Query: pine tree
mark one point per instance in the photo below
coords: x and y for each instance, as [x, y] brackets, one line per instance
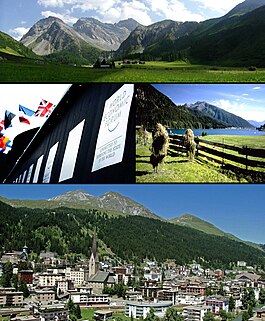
[232, 304]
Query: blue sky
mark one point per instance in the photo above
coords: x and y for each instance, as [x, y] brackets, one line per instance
[244, 100]
[237, 209]
[17, 16]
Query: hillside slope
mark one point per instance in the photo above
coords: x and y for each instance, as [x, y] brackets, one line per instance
[67, 230]
[10, 46]
[113, 203]
[154, 107]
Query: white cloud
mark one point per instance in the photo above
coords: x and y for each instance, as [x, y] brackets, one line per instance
[51, 3]
[245, 95]
[65, 16]
[243, 110]
[256, 88]
[221, 7]
[173, 9]
[134, 9]
[97, 5]
[19, 32]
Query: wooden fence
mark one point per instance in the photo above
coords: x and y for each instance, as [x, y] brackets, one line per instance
[222, 153]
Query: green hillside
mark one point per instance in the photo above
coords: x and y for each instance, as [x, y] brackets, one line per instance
[37, 204]
[195, 222]
[153, 107]
[236, 40]
[10, 46]
[66, 230]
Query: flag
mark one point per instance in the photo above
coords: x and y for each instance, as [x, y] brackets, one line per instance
[8, 119]
[45, 109]
[5, 143]
[1, 125]
[24, 114]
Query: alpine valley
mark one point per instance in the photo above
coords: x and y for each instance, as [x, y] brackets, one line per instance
[235, 39]
[65, 223]
[153, 106]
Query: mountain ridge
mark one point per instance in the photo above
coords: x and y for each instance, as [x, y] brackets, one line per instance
[64, 231]
[122, 206]
[220, 114]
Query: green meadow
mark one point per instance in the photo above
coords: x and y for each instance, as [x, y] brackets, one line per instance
[177, 168]
[172, 72]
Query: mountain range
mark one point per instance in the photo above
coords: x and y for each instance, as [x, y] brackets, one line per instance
[116, 205]
[51, 35]
[235, 39]
[153, 107]
[65, 223]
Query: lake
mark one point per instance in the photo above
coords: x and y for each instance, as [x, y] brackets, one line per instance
[239, 132]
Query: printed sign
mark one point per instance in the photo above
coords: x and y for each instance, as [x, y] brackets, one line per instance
[49, 164]
[113, 127]
[71, 151]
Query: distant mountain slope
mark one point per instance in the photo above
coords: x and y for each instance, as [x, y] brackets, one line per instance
[219, 114]
[245, 7]
[65, 230]
[256, 123]
[153, 107]
[8, 45]
[105, 36]
[236, 39]
[147, 38]
[196, 223]
[51, 36]
[114, 203]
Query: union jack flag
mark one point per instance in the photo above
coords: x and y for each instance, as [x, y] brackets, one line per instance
[45, 109]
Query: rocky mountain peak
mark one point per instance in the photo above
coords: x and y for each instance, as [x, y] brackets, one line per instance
[78, 195]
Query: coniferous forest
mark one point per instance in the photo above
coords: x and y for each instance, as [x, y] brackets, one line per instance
[65, 230]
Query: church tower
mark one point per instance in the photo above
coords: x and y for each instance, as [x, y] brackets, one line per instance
[94, 261]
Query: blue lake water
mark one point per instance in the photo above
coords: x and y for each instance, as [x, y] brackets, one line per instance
[239, 132]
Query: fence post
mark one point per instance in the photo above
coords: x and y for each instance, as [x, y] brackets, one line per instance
[246, 158]
[223, 160]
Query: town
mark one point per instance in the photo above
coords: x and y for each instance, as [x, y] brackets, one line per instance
[49, 287]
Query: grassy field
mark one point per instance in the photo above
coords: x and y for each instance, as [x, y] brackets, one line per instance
[239, 141]
[149, 72]
[177, 169]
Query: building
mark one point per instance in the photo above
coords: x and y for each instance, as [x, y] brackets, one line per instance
[260, 315]
[10, 298]
[49, 279]
[195, 313]
[26, 276]
[10, 257]
[99, 281]
[217, 303]
[44, 296]
[103, 315]
[51, 312]
[149, 289]
[87, 299]
[88, 138]
[76, 276]
[137, 309]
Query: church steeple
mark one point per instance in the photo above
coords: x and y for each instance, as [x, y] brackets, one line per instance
[94, 261]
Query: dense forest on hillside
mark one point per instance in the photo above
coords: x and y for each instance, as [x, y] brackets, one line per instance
[66, 230]
[154, 107]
